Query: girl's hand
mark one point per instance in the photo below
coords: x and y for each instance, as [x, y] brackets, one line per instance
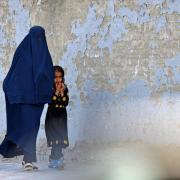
[58, 88]
[62, 89]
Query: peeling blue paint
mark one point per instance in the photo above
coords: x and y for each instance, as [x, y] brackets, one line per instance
[131, 15]
[83, 33]
[160, 23]
[113, 31]
[20, 18]
[112, 81]
[136, 89]
[135, 17]
[111, 8]
[102, 101]
[174, 63]
[111, 34]
[150, 2]
[106, 112]
[173, 6]
[161, 75]
[172, 96]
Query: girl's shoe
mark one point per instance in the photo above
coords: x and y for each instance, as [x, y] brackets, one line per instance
[56, 163]
[60, 164]
[52, 163]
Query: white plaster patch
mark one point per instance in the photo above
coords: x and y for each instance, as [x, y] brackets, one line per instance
[39, 2]
[153, 44]
[20, 17]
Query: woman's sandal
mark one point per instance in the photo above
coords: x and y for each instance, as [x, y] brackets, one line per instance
[29, 166]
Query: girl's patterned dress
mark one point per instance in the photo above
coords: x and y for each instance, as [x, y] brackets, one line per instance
[56, 124]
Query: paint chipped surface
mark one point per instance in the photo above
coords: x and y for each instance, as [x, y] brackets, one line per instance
[121, 60]
[150, 2]
[160, 23]
[20, 17]
[168, 78]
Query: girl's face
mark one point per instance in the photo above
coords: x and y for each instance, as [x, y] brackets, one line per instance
[58, 77]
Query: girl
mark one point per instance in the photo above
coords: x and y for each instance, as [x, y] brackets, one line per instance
[56, 120]
[27, 87]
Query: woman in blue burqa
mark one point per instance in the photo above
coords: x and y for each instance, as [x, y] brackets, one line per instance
[27, 87]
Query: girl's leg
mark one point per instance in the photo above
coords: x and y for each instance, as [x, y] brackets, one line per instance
[55, 159]
[56, 152]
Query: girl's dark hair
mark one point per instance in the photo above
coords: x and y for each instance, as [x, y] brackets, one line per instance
[60, 69]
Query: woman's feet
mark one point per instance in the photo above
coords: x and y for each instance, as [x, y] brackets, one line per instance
[29, 166]
[53, 163]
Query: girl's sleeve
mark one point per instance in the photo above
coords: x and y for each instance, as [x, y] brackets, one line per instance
[54, 99]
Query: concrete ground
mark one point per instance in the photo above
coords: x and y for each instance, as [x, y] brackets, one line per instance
[124, 161]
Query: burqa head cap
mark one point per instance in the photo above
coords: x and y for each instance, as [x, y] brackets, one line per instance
[37, 29]
[31, 75]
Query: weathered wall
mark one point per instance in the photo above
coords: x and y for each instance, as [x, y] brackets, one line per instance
[122, 63]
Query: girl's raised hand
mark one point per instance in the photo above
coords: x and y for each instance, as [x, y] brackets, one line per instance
[58, 88]
[62, 89]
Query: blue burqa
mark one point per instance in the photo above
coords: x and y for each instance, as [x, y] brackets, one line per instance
[27, 87]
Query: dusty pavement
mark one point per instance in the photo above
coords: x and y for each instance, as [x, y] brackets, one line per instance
[115, 161]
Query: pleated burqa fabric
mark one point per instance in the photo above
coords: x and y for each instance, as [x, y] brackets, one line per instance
[27, 87]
